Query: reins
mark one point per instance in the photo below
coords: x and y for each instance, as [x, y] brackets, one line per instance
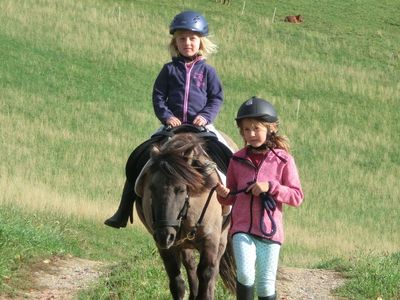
[192, 234]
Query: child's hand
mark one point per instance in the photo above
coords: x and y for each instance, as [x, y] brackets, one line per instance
[199, 121]
[173, 121]
[258, 187]
[222, 190]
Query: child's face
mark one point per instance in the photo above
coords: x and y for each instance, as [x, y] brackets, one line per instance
[254, 132]
[188, 43]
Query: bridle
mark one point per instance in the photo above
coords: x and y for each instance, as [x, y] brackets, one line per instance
[182, 215]
[191, 235]
[173, 223]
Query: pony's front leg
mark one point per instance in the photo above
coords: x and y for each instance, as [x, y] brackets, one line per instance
[189, 261]
[172, 263]
[207, 271]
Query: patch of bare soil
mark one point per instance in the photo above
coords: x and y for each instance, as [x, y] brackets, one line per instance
[63, 278]
[296, 283]
[60, 278]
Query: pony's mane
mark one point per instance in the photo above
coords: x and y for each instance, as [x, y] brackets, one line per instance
[182, 159]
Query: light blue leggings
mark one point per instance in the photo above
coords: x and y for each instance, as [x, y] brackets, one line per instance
[256, 260]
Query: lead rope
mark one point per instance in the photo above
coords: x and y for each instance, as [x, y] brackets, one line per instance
[192, 234]
[269, 205]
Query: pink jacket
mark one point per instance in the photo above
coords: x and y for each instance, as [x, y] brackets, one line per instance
[247, 209]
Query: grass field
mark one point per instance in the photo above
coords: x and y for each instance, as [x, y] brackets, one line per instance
[75, 99]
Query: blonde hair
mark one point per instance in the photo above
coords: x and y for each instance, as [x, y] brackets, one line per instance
[207, 46]
[274, 140]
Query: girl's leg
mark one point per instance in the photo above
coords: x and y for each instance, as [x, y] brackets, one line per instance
[267, 267]
[125, 209]
[244, 251]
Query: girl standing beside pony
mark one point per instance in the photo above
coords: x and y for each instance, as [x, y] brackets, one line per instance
[261, 178]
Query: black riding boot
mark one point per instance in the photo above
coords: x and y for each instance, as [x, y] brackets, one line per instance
[271, 297]
[244, 292]
[125, 209]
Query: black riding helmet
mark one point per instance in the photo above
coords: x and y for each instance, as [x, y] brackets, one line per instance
[189, 20]
[262, 110]
[257, 108]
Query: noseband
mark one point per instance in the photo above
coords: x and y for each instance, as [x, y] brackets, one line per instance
[173, 223]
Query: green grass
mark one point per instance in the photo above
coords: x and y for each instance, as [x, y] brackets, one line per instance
[75, 99]
[26, 238]
[370, 275]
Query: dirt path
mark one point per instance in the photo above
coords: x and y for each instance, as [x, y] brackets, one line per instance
[63, 278]
[295, 283]
[60, 278]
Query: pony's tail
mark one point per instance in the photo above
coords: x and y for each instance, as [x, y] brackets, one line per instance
[227, 268]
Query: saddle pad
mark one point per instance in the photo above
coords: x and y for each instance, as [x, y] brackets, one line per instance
[139, 180]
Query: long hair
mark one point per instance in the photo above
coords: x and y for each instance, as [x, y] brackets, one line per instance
[274, 140]
[207, 46]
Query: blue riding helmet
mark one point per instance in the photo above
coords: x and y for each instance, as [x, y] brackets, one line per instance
[189, 20]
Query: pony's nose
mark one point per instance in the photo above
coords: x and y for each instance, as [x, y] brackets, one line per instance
[165, 237]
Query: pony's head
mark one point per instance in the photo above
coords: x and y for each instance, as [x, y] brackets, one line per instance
[179, 169]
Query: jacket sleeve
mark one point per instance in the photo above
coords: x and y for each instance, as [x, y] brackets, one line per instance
[215, 96]
[288, 190]
[160, 96]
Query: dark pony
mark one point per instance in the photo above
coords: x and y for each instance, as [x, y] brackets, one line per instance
[180, 210]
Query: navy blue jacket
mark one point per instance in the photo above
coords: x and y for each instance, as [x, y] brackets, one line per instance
[186, 91]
